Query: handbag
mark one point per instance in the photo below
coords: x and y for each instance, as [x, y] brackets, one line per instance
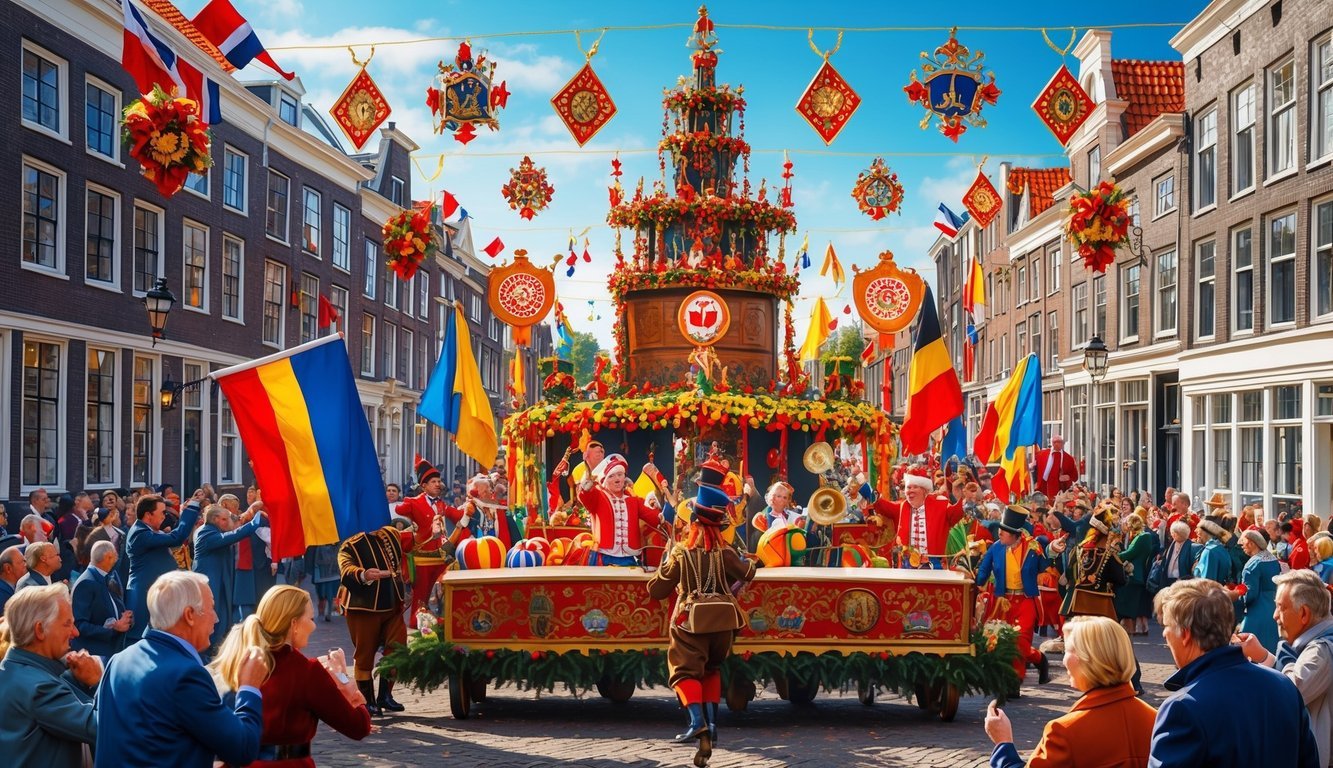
[1089, 601]
[708, 608]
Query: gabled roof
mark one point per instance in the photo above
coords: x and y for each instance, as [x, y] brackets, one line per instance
[1041, 184]
[173, 16]
[1151, 88]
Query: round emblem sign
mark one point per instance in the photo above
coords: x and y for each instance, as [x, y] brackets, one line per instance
[887, 297]
[704, 318]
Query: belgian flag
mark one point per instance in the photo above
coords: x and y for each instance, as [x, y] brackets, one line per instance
[934, 394]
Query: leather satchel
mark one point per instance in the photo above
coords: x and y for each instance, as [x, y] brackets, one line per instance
[709, 607]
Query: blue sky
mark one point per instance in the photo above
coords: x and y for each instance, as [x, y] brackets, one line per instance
[774, 67]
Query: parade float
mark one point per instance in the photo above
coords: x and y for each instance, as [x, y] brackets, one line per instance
[705, 360]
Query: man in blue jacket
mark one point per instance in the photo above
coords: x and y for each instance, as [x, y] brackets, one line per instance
[157, 704]
[1015, 562]
[215, 558]
[149, 551]
[100, 615]
[1201, 724]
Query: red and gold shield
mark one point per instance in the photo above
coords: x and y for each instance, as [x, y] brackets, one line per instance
[584, 105]
[982, 201]
[887, 298]
[1063, 105]
[828, 103]
[521, 294]
[361, 109]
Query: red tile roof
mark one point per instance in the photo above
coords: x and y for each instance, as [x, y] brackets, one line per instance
[173, 16]
[1152, 88]
[1041, 184]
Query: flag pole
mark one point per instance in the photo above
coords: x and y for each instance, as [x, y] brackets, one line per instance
[286, 353]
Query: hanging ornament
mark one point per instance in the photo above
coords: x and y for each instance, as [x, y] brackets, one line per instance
[1063, 105]
[982, 200]
[466, 96]
[521, 294]
[828, 101]
[886, 297]
[584, 105]
[361, 108]
[952, 88]
[784, 197]
[527, 191]
[877, 191]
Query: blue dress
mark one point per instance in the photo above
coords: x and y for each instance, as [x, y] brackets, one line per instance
[1214, 563]
[1259, 599]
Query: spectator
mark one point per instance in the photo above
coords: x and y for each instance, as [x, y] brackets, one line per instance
[1214, 561]
[1323, 557]
[46, 705]
[214, 557]
[12, 570]
[1293, 534]
[265, 568]
[1257, 591]
[1177, 562]
[250, 556]
[68, 517]
[99, 615]
[106, 527]
[1107, 725]
[299, 692]
[149, 553]
[34, 528]
[39, 503]
[1201, 724]
[1132, 604]
[322, 562]
[43, 561]
[158, 705]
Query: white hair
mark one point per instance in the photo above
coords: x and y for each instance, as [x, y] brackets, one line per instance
[768, 495]
[215, 512]
[229, 497]
[36, 551]
[1180, 528]
[172, 593]
[100, 551]
[33, 606]
[476, 480]
[31, 521]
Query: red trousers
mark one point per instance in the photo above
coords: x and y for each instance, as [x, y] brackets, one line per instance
[1022, 614]
[426, 576]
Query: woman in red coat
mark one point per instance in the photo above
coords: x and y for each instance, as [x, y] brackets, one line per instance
[299, 691]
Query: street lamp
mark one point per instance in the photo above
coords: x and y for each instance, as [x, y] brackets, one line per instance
[168, 393]
[159, 302]
[1096, 358]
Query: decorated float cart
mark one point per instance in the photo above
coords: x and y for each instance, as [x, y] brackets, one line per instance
[700, 366]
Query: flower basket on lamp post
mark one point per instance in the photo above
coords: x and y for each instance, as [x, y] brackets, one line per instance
[1099, 224]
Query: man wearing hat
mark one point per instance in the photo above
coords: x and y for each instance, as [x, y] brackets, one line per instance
[923, 519]
[432, 552]
[614, 513]
[1214, 562]
[1014, 563]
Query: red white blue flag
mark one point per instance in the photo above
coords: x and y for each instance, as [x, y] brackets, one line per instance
[151, 61]
[225, 27]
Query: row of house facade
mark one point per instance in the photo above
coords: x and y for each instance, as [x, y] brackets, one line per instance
[285, 216]
[1219, 318]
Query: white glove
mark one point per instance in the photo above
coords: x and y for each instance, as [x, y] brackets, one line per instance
[464, 520]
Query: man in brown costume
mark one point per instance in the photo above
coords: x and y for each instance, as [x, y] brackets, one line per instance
[706, 617]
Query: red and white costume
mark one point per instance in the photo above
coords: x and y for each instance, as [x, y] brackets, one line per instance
[924, 528]
[1055, 471]
[616, 518]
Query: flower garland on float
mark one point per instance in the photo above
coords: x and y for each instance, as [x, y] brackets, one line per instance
[409, 239]
[168, 138]
[625, 279]
[661, 209]
[1099, 224]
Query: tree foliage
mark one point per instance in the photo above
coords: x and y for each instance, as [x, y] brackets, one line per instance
[845, 342]
[583, 354]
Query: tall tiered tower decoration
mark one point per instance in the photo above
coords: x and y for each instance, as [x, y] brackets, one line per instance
[705, 231]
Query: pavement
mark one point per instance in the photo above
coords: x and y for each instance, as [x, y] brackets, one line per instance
[523, 729]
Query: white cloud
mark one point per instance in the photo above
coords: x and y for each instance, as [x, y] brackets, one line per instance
[281, 10]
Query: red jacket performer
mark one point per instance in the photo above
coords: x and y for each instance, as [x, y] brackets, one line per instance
[1054, 469]
[428, 558]
[615, 514]
[923, 520]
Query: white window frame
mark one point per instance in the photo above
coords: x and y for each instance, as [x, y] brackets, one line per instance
[1320, 90]
[1200, 280]
[281, 304]
[475, 314]
[1240, 124]
[155, 432]
[161, 266]
[114, 93]
[308, 311]
[228, 475]
[239, 317]
[1124, 311]
[287, 97]
[208, 237]
[204, 181]
[62, 67]
[398, 191]
[1275, 112]
[1269, 261]
[367, 355]
[338, 297]
[1100, 305]
[62, 417]
[1159, 329]
[1158, 210]
[1021, 287]
[1094, 158]
[1205, 143]
[117, 397]
[389, 345]
[410, 296]
[1078, 303]
[309, 246]
[287, 214]
[391, 288]
[409, 346]
[1053, 277]
[423, 295]
[343, 264]
[228, 151]
[113, 284]
[371, 275]
[1252, 268]
[1053, 338]
[1315, 249]
[61, 269]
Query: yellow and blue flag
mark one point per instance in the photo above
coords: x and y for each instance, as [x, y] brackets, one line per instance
[455, 398]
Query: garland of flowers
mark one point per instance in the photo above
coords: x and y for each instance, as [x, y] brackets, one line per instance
[168, 138]
[720, 99]
[694, 141]
[662, 210]
[409, 239]
[1099, 224]
[626, 279]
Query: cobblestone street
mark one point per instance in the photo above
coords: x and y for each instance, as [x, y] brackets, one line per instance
[514, 729]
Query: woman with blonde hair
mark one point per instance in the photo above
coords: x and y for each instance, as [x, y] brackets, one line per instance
[1108, 725]
[299, 692]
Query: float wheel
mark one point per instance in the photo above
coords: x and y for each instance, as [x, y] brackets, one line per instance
[740, 692]
[460, 699]
[948, 702]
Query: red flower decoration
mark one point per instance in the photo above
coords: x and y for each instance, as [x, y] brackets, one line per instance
[168, 138]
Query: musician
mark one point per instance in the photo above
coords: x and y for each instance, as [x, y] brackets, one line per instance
[1015, 564]
[922, 520]
[779, 513]
[484, 516]
[615, 513]
[431, 552]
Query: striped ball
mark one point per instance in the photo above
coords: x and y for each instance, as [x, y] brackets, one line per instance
[559, 548]
[777, 546]
[854, 556]
[536, 544]
[524, 558]
[486, 552]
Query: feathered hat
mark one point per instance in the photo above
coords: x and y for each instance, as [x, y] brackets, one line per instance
[424, 469]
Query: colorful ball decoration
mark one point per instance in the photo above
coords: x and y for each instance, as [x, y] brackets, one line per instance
[559, 549]
[536, 544]
[485, 552]
[780, 547]
[524, 558]
[854, 556]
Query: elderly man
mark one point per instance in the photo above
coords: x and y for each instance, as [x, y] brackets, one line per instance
[149, 552]
[34, 528]
[46, 704]
[106, 527]
[922, 520]
[12, 569]
[158, 704]
[615, 513]
[43, 561]
[1054, 468]
[1201, 724]
[214, 557]
[100, 615]
[1305, 654]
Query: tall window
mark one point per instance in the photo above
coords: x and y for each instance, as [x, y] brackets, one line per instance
[233, 266]
[1282, 117]
[1250, 427]
[1286, 448]
[1323, 257]
[390, 345]
[1094, 166]
[409, 296]
[43, 207]
[1207, 295]
[1021, 287]
[1035, 323]
[1221, 442]
[1282, 269]
[194, 239]
[342, 237]
[474, 313]
[1166, 292]
[390, 288]
[367, 345]
[310, 219]
[309, 307]
[101, 233]
[233, 179]
[1034, 272]
[101, 118]
[101, 417]
[405, 357]
[1099, 305]
[147, 248]
[1053, 339]
[275, 220]
[229, 444]
[289, 109]
[372, 268]
[275, 280]
[1166, 195]
[338, 298]
[1021, 339]
[1079, 301]
[1129, 302]
[41, 413]
[43, 81]
[1243, 267]
[423, 295]
[141, 442]
[397, 191]
[1242, 151]
[1205, 160]
[1053, 272]
[1323, 106]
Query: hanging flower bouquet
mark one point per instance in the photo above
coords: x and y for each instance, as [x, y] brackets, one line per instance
[168, 138]
[1099, 224]
[409, 239]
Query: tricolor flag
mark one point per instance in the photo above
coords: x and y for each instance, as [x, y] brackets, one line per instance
[225, 27]
[151, 61]
[934, 394]
[300, 418]
[1012, 424]
[974, 295]
[455, 398]
[948, 222]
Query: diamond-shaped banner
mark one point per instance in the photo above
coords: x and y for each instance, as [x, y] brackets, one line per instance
[828, 103]
[361, 109]
[982, 201]
[1063, 105]
[584, 105]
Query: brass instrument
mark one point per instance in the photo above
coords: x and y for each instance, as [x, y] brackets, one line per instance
[819, 458]
[827, 506]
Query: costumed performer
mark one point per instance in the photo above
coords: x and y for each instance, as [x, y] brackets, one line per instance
[483, 516]
[593, 454]
[614, 513]
[1015, 563]
[431, 552]
[923, 519]
[780, 513]
[706, 616]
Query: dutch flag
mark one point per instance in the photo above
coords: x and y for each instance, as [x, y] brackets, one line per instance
[948, 222]
[225, 27]
[151, 61]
